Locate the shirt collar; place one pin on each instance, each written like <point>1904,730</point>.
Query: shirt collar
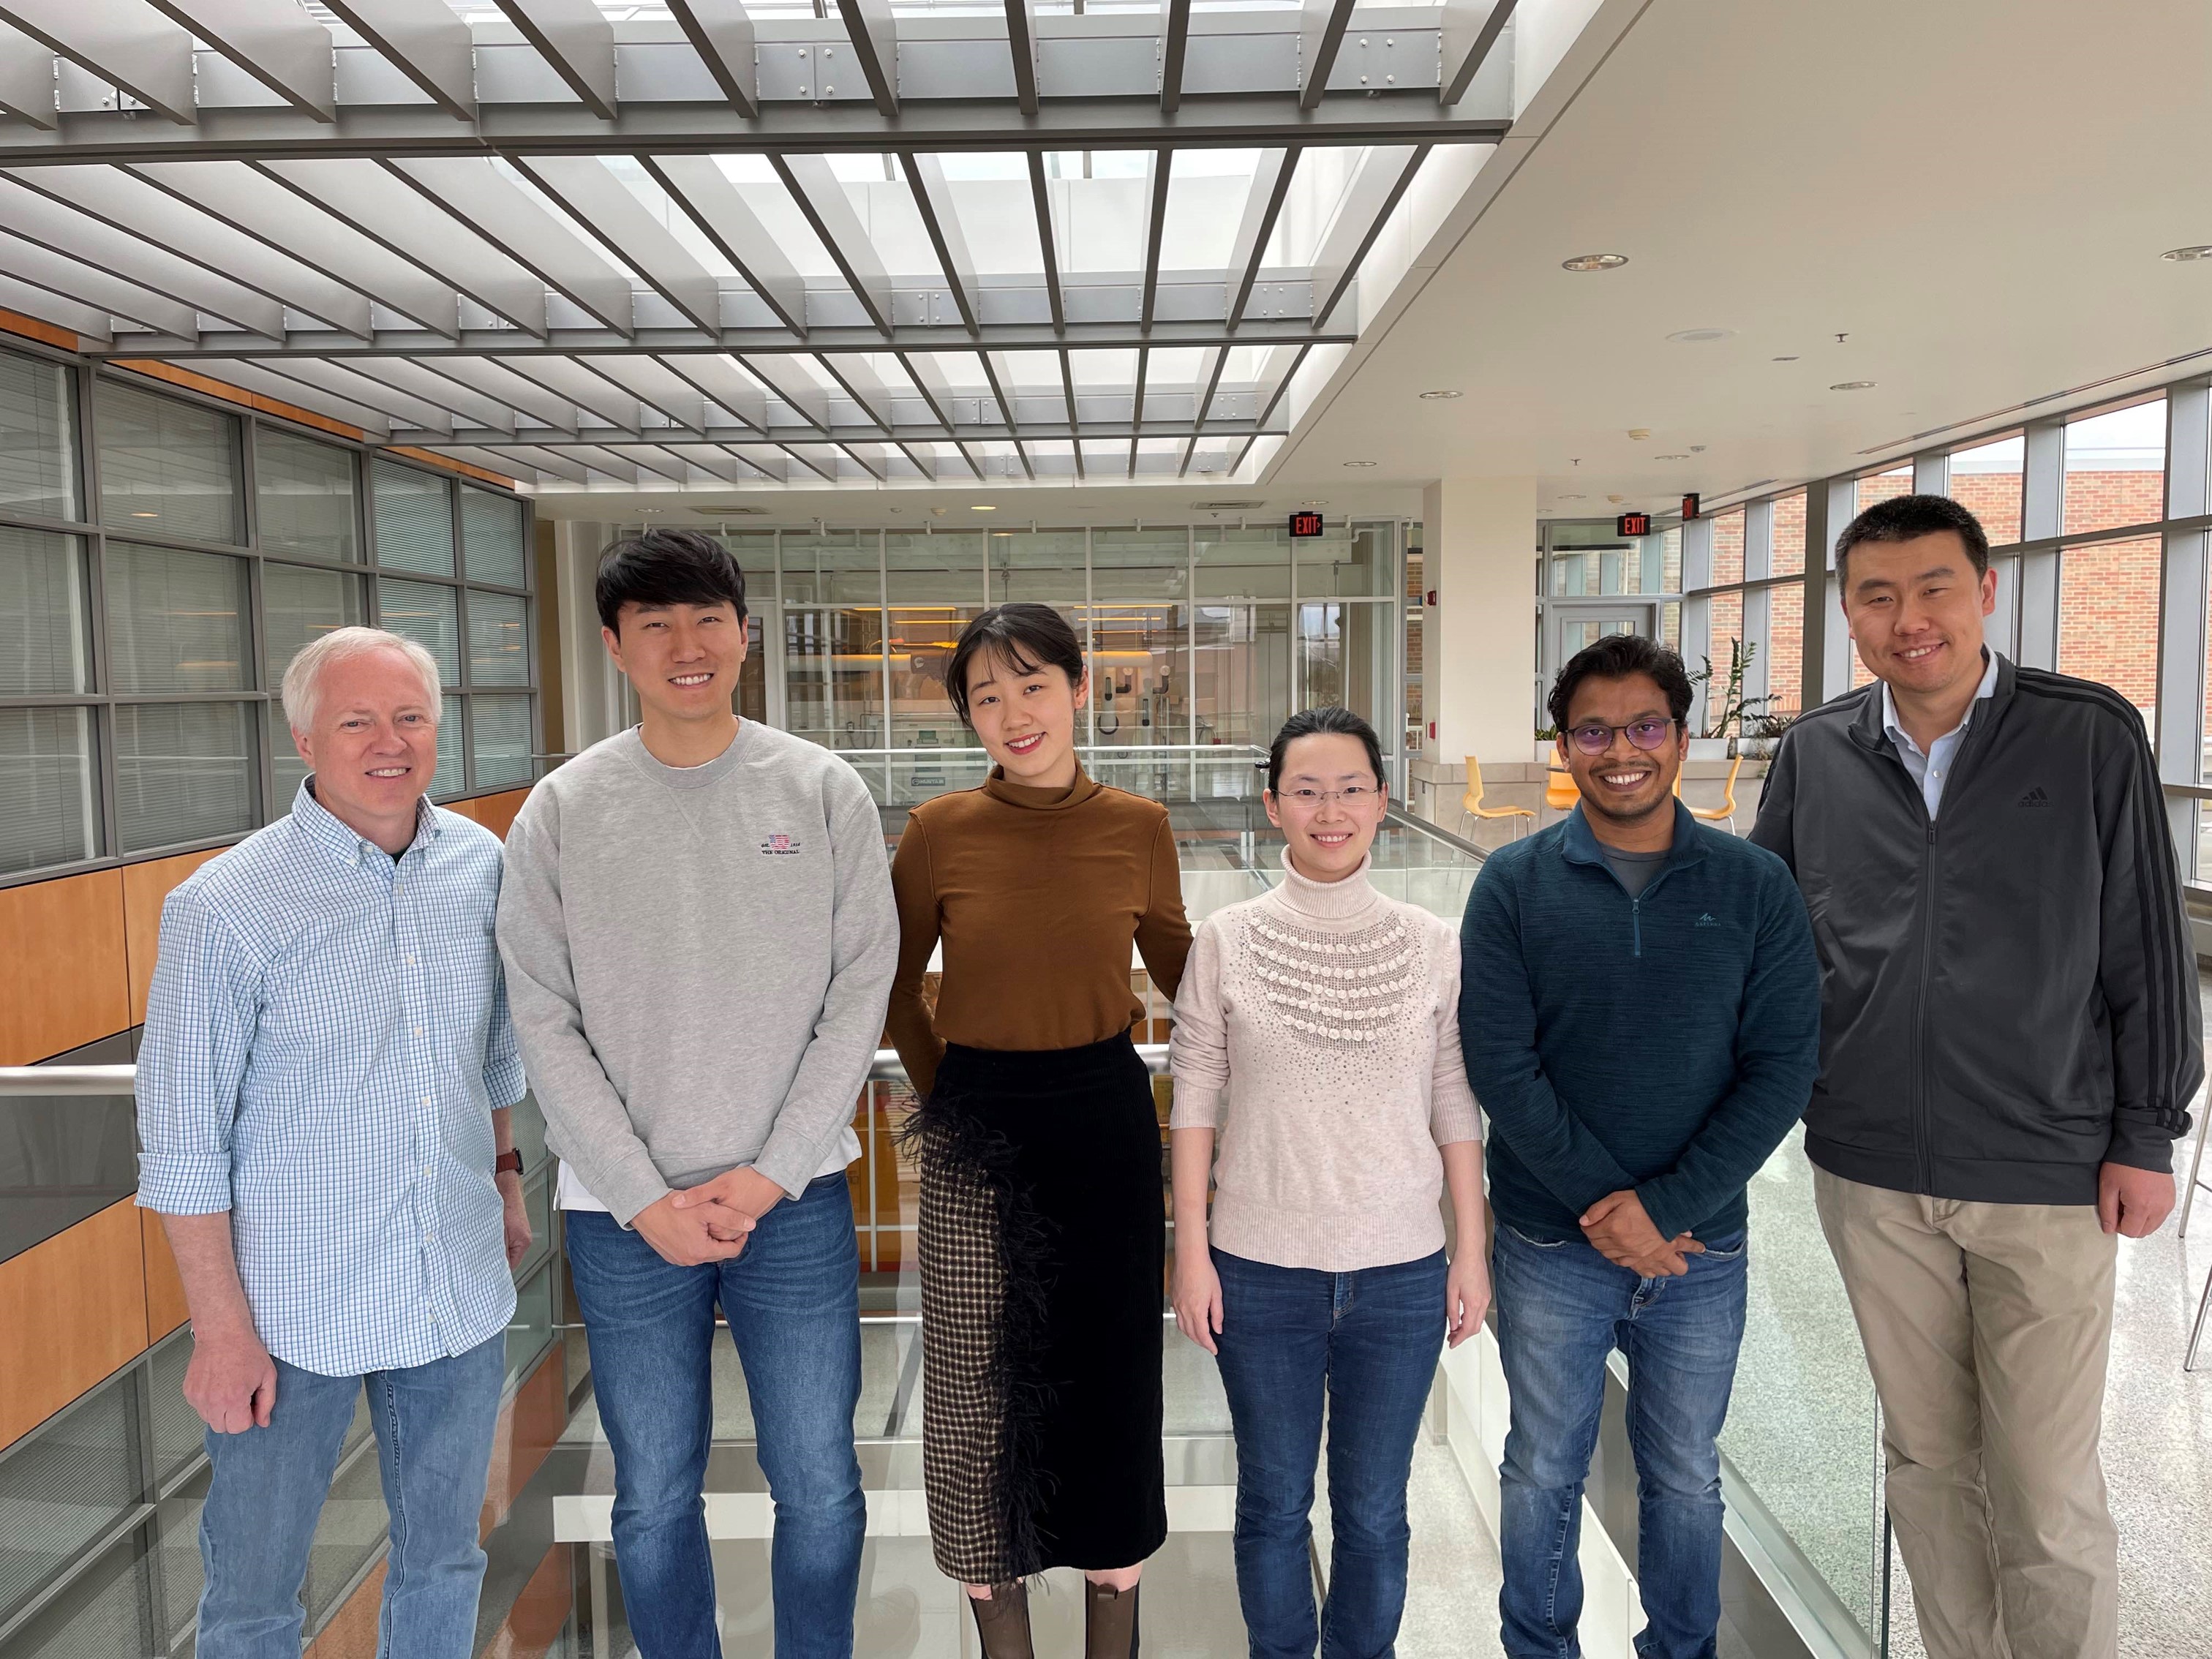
<point>1987,688</point>
<point>323,825</point>
<point>1580,845</point>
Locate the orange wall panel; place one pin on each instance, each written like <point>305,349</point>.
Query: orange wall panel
<point>144,886</point>
<point>62,978</point>
<point>74,1308</point>
<point>495,812</point>
<point>165,1290</point>
<point>351,1634</point>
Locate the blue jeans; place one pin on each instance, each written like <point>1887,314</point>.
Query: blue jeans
<point>794,1303</point>
<point>434,1432</point>
<point>1561,1310</point>
<point>1368,1342</point>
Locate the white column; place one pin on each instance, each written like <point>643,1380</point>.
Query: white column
<point>1478,541</point>
<point>591,705</point>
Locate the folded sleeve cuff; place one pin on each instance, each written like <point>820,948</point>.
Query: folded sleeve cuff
<point>1453,1118</point>
<point>1196,1107</point>
<point>183,1183</point>
<point>504,1084</point>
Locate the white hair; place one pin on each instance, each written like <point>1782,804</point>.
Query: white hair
<point>303,676</point>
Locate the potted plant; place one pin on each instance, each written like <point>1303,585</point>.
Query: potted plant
<point>1762,733</point>
<point>1728,708</point>
<point>1547,753</point>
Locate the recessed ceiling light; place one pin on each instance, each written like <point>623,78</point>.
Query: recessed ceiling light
<point>1571,498</point>
<point>1639,433</point>
<point>1852,386</point>
<point>1697,449</point>
<point>1313,503</point>
<point>1440,396</point>
<point>1699,336</point>
<point>981,507</point>
<point>1359,463</point>
<point>1785,360</point>
<point>1594,261</point>
<point>2186,255</point>
<point>145,515</point>
<point>1670,458</point>
<point>649,509</point>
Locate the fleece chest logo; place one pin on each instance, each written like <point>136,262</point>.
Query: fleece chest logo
<point>2035,797</point>
<point>778,845</point>
<point>1706,920</point>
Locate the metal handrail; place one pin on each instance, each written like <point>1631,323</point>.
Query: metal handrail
<point>36,1080</point>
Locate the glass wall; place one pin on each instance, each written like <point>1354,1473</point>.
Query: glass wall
<point>150,602</point>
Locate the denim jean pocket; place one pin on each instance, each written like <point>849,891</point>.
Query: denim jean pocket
<point>1534,1244</point>
<point>1729,1247</point>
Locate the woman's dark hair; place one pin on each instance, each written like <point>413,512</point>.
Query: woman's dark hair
<point>1907,519</point>
<point>1331,721</point>
<point>1615,658</point>
<point>1025,636</point>
<point>666,567</point>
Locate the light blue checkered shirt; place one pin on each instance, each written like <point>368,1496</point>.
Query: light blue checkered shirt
<point>325,1040</point>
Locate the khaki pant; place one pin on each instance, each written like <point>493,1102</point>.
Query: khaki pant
<point>1987,1328</point>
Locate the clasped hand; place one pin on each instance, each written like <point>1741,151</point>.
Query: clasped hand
<point>710,1221</point>
<point>1619,1229</point>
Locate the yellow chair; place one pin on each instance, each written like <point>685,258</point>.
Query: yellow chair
<point>1471,806</point>
<point>1559,792</point>
<point>1725,812</point>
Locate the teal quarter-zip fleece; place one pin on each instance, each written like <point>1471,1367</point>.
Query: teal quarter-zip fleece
<point>1664,1042</point>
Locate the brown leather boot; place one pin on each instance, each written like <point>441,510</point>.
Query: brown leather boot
<point>1110,1622</point>
<point>1003,1621</point>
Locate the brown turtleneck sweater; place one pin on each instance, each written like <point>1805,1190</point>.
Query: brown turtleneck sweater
<point>1037,895</point>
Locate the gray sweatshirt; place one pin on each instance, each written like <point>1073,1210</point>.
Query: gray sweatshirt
<point>698,959</point>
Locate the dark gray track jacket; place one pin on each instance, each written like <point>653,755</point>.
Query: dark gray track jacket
<point>2008,991</point>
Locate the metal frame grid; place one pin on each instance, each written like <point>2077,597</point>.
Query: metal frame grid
<point>754,245</point>
<point>92,538</point>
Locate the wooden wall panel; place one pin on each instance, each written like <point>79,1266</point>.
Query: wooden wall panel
<point>351,1634</point>
<point>165,1291</point>
<point>62,974</point>
<point>74,1309</point>
<point>495,812</point>
<point>144,886</point>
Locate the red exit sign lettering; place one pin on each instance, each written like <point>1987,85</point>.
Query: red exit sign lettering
<point>1305,523</point>
<point>1632,524</point>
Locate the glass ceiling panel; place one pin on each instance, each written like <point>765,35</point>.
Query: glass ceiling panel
<point>657,202</point>
<point>1310,206</point>
<point>1207,193</point>
<point>764,193</point>
<point>1116,369</point>
<point>1102,223</point>
<point>997,219</point>
<point>1030,371</point>
<point>560,216</point>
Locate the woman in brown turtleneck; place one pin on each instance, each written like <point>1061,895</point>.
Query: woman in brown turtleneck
<point>1041,1244</point>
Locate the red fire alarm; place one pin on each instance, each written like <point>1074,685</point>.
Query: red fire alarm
<point>1432,598</point>
<point>1433,729</point>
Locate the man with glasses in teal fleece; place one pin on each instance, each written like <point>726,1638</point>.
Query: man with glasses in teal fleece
<point>1640,1008</point>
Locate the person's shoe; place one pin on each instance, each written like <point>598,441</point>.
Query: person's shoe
<point>1110,1622</point>
<point>1003,1621</point>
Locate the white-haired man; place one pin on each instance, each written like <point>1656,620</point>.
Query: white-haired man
<point>322,1095</point>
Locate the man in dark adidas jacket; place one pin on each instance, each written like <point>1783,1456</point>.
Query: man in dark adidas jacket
<point>2010,1038</point>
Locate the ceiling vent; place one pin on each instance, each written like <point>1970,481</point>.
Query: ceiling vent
<point>730,510</point>
<point>1226,506</point>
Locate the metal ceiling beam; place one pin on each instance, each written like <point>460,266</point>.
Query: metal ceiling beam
<point>1471,28</point>
<point>285,384</point>
<point>875,43</point>
<point>486,379</point>
<point>318,384</point>
<point>275,41</point>
<point>1047,243</point>
<point>722,33</point>
<point>577,43</point>
<point>1175,50</point>
<point>933,199</point>
<point>725,387</point>
<point>756,342</point>
<point>1021,45</point>
<point>75,282</point>
<point>1137,405</point>
<point>611,213</point>
<point>27,80</point>
<point>425,41</point>
<point>1282,382</point>
<point>844,125</point>
<point>646,379</point>
<point>797,390</point>
<point>118,41</point>
<point>463,402</point>
<point>389,212</point>
<point>1385,174</point>
<point>820,197</point>
<point>709,198</point>
<point>1271,183</point>
<point>1321,24</point>
<point>36,218</point>
<point>843,432</point>
<point>475,194</point>
<point>576,385</point>
<point>559,467</point>
<point>1157,173</point>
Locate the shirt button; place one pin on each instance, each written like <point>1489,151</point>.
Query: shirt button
<point>426,1100</point>
<point>419,1030</point>
<point>410,961</point>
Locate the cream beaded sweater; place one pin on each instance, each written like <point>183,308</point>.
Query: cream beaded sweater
<point>1318,1030</point>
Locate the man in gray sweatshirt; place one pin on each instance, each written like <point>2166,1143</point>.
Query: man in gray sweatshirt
<point>699,935</point>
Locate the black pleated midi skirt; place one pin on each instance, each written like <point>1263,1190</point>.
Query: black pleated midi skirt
<point>1042,1252</point>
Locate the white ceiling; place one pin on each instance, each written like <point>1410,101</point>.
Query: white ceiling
<point>1975,193</point>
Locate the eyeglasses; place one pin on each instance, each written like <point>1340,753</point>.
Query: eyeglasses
<point>1357,794</point>
<point>1596,739</point>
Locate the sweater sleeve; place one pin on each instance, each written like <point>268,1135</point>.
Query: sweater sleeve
<point>863,956</point>
<point>913,887</point>
<point>1497,1037</point>
<point>1778,1056</point>
<point>1198,1045</point>
<point>2147,966</point>
<point>1163,933</point>
<point>586,1120</point>
<point>1452,1114</point>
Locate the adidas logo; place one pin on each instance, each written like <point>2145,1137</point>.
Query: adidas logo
<point>2035,797</point>
<point>1706,920</point>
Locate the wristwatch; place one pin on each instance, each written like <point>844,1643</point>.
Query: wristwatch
<point>509,1159</point>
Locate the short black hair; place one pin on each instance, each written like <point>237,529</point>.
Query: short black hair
<point>1332,720</point>
<point>666,567</point>
<point>1024,635</point>
<point>1616,657</point>
<point>1908,517</point>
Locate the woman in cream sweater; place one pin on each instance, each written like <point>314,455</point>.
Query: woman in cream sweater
<point>1316,1032</point>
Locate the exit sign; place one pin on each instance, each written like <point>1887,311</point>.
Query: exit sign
<point>1632,524</point>
<point>1690,507</point>
<point>1305,523</point>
